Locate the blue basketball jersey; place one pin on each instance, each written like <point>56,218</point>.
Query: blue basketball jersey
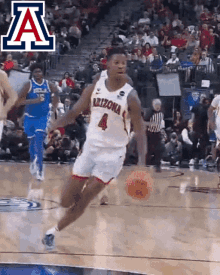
<point>38,90</point>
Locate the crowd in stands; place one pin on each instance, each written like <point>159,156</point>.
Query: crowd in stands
<point>162,36</point>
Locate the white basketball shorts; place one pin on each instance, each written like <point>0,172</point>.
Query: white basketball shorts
<point>217,130</point>
<point>1,128</point>
<point>103,163</point>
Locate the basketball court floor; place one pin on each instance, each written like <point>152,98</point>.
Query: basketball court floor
<point>175,232</point>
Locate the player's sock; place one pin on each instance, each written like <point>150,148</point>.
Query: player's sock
<point>40,149</point>
<point>52,231</point>
<point>32,148</point>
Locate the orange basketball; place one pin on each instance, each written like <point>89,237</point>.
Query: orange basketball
<point>139,185</point>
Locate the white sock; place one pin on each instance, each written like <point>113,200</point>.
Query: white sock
<point>52,231</point>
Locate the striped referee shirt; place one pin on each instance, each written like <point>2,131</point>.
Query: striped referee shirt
<point>156,118</point>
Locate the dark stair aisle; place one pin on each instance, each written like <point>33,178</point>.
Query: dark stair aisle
<point>99,37</point>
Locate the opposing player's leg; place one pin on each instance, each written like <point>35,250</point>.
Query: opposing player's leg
<point>40,133</point>
<point>29,130</point>
<point>40,136</point>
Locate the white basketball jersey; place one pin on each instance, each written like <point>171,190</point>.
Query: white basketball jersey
<point>109,122</point>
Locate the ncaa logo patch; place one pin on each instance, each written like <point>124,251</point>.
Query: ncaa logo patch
<point>28,30</point>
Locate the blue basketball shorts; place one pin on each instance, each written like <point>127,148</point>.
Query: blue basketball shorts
<point>33,125</point>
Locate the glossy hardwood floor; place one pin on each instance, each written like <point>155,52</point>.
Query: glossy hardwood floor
<point>176,231</point>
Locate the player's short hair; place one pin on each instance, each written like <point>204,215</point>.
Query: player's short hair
<point>36,66</point>
<point>115,50</point>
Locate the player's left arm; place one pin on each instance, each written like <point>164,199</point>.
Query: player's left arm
<point>134,107</point>
<point>55,93</point>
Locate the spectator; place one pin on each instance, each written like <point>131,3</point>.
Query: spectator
<point>176,23</point>
<point>81,76</point>
<point>200,120</point>
<point>67,104</point>
<point>173,150</point>
<point>198,8</point>
<point>146,50</point>
<point>217,38</point>
<point>151,57</point>
<point>205,38</point>
<point>103,60</point>
<point>74,35</point>
<point>206,62</point>
<point>60,109</point>
<point>51,152</point>
<point>145,19</point>
<point>67,149</point>
<point>156,22</point>
<point>192,43</point>
<point>179,42</point>
<point>173,63</point>
<point>17,145</point>
<point>212,40</point>
<point>205,16</point>
<point>67,84</point>
<point>196,56</point>
<point>152,39</point>
<point>166,43</point>
<point>156,65</point>
<point>85,24</point>
<point>8,64</point>
<point>123,28</point>
<point>64,39</point>
<point>177,122</point>
<point>187,142</point>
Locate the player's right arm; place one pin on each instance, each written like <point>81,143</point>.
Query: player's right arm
<point>8,91</point>
<point>23,94</point>
<point>81,105</point>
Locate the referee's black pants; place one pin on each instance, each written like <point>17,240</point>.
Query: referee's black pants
<point>155,147</point>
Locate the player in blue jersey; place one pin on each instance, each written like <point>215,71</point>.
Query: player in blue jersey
<point>36,94</point>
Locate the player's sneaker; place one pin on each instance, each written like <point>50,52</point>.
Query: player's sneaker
<point>49,241</point>
<point>33,166</point>
<point>40,175</point>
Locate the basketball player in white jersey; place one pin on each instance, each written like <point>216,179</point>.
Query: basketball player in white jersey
<point>214,117</point>
<point>114,104</point>
<point>7,99</point>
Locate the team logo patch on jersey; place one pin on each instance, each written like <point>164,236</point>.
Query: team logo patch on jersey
<point>28,30</point>
<point>121,93</point>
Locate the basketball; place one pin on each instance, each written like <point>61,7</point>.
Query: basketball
<point>139,185</point>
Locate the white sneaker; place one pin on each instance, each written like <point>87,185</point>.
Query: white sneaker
<point>33,166</point>
<point>201,161</point>
<point>40,175</point>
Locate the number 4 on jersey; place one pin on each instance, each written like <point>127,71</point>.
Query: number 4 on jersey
<point>103,122</point>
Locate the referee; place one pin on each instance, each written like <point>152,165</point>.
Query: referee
<point>155,133</point>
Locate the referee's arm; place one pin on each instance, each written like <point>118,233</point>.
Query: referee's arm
<point>134,107</point>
